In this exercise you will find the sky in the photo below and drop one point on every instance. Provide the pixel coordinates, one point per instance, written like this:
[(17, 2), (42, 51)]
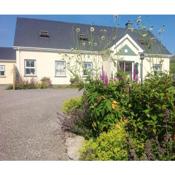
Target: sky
[(8, 23)]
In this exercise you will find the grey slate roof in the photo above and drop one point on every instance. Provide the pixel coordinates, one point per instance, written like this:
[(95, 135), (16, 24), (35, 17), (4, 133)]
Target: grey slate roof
[(63, 35), (7, 53)]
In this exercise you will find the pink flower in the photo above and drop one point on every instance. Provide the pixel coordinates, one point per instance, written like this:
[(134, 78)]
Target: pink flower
[(104, 77)]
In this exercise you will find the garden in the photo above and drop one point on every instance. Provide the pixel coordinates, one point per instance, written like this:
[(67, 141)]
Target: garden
[(123, 119)]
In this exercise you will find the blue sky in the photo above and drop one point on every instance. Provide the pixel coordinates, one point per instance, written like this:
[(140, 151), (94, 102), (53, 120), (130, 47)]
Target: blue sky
[(8, 22)]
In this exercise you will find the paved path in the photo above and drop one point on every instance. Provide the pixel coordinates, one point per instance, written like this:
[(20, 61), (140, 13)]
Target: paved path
[(28, 124)]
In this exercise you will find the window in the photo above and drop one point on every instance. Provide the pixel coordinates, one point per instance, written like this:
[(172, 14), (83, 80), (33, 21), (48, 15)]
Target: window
[(2, 70), (125, 66), (44, 34), (30, 67), (87, 67), (157, 67), (60, 68)]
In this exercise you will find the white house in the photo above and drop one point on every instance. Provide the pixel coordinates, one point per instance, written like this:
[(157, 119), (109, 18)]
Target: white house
[(58, 50)]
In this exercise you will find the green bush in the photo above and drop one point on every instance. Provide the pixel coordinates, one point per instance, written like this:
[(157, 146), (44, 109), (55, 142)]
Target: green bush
[(148, 107), (151, 115), (32, 84), (45, 82), (108, 146), (72, 104), (104, 104)]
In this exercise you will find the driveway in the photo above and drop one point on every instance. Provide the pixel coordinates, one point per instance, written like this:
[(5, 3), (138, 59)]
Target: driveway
[(28, 124)]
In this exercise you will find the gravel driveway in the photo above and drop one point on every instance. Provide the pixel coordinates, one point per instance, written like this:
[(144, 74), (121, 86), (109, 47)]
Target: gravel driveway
[(28, 124)]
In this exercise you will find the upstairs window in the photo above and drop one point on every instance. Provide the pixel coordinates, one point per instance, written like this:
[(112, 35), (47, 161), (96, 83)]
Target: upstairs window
[(83, 37), (87, 68), (60, 68), (30, 67), (2, 70), (44, 34)]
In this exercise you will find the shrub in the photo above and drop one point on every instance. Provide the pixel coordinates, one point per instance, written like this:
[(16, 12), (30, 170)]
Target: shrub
[(104, 105), (149, 109), (151, 115), (76, 81), (152, 105), (45, 82), (32, 84), (72, 104), (108, 146)]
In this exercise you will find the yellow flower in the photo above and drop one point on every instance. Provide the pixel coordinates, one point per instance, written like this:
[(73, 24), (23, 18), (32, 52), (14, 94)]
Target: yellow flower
[(114, 104)]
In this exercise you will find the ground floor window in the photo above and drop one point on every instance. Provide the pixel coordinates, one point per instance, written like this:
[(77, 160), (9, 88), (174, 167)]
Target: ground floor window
[(2, 70), (87, 68), (30, 67), (157, 67), (60, 68), (127, 67)]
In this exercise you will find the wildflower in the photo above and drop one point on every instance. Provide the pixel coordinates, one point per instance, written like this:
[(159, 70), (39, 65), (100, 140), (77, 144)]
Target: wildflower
[(139, 20), (95, 44), (135, 72), (114, 104), (83, 43), (103, 37), (104, 77), (151, 28), (92, 29), (89, 42), (77, 29)]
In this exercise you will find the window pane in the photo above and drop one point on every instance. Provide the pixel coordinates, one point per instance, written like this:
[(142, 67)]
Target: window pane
[(2, 73), (87, 67), (60, 68), (29, 71), (121, 66), (157, 67), (32, 71), (128, 66), (2, 70), (30, 67), (2, 67), (30, 63)]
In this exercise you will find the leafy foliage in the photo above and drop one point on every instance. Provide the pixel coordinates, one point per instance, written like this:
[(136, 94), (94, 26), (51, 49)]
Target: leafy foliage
[(148, 107), (108, 146), (151, 115), (72, 104), (46, 82), (32, 84)]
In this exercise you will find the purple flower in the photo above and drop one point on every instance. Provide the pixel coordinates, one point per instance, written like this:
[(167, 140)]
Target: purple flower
[(135, 77), (104, 77)]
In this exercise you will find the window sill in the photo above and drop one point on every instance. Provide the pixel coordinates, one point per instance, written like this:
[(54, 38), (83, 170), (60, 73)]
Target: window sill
[(61, 76), (30, 75), (2, 76)]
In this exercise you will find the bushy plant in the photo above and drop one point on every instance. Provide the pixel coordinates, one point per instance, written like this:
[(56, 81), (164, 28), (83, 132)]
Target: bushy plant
[(149, 109), (45, 82), (104, 104), (72, 104), (76, 81), (151, 114), (108, 146), (31, 84)]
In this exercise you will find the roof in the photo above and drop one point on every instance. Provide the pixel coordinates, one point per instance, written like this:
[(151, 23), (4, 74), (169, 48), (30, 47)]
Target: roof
[(64, 35), (7, 53)]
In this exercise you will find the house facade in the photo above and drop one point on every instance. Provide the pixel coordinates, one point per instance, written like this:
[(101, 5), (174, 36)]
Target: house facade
[(61, 50)]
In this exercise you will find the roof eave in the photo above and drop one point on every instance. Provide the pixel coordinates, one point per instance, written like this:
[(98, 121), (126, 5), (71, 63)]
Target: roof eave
[(73, 51), (9, 61), (159, 55)]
